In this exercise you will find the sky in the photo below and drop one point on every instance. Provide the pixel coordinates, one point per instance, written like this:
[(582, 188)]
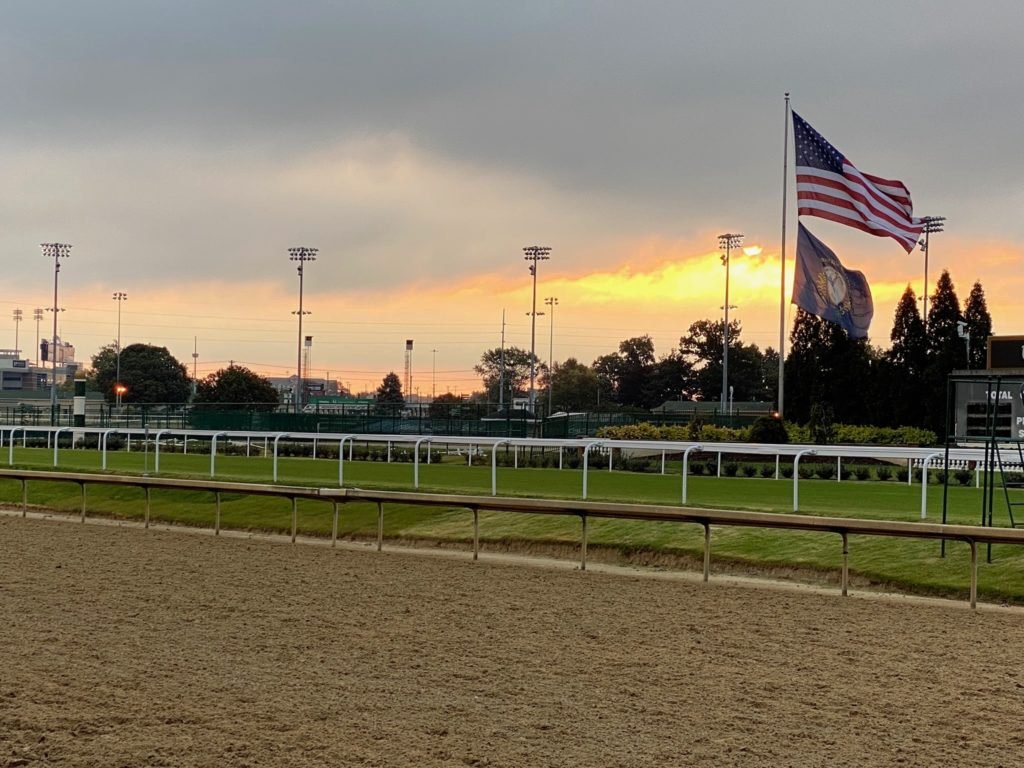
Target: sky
[(182, 147)]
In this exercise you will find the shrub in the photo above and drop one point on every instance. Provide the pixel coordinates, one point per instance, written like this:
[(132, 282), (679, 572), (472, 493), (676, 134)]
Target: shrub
[(730, 468), (806, 473), (963, 476), (749, 470), (711, 466), (787, 471), (862, 473), (696, 468), (826, 471), (767, 430), (902, 474), (845, 473), (884, 473), (767, 470)]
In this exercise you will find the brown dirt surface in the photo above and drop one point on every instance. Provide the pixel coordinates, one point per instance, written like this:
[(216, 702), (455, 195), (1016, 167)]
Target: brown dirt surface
[(124, 647)]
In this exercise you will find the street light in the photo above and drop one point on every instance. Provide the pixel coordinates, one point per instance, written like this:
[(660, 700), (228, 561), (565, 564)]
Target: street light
[(119, 297), (552, 302), (56, 251), (534, 253), (300, 254), (18, 316), (931, 224), (727, 241)]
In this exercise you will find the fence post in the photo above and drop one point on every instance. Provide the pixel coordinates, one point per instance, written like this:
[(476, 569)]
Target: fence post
[(147, 507), (707, 550), (295, 517), (334, 526), (380, 526), (216, 517), (846, 562), (83, 501), (476, 533), (583, 543)]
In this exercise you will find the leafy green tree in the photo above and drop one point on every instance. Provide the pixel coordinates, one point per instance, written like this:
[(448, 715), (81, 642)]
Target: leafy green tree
[(979, 326), (237, 387), (516, 364), (574, 386), (630, 372), (389, 393), (444, 406), (151, 374), (753, 374)]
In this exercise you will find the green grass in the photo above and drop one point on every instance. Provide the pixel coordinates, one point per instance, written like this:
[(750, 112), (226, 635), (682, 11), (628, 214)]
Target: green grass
[(906, 564)]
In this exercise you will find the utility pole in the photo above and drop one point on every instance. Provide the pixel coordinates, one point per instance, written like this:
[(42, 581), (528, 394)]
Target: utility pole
[(433, 375), (56, 251), (534, 254), (301, 254), (501, 362), (727, 241)]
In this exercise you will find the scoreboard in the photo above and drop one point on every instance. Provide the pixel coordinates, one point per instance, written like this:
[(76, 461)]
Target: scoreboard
[(1005, 352)]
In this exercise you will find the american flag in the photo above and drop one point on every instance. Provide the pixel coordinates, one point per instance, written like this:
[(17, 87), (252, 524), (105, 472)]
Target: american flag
[(830, 186)]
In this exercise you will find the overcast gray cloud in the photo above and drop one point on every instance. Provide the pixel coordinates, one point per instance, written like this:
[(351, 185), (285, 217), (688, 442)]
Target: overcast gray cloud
[(172, 129)]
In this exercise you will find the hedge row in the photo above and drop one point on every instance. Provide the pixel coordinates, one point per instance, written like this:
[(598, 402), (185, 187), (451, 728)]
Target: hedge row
[(844, 434)]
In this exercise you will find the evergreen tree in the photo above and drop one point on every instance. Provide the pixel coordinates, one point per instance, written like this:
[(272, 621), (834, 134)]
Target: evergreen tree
[(979, 326), (827, 368), (946, 351), (389, 393), (901, 372)]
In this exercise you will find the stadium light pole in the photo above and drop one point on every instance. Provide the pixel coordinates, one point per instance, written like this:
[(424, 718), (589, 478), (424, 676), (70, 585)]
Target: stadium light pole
[(533, 254), (551, 301), (119, 297), (37, 315), (727, 241), (56, 251), (17, 316), (931, 224), (301, 254)]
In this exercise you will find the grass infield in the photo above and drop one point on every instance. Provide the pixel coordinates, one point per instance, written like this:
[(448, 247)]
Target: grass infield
[(874, 561)]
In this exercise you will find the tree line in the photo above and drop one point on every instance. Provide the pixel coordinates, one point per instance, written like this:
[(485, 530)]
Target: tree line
[(829, 377)]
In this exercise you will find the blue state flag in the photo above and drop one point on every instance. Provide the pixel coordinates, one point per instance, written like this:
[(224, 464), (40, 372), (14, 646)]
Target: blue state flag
[(824, 287)]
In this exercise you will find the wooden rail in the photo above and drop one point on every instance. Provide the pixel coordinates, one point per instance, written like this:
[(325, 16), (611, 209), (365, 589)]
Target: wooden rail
[(971, 535)]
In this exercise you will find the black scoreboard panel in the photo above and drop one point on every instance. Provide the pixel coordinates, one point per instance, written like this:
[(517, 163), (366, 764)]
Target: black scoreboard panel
[(1005, 352)]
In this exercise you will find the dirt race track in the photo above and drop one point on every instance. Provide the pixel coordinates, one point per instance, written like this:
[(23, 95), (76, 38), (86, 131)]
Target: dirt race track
[(123, 647)]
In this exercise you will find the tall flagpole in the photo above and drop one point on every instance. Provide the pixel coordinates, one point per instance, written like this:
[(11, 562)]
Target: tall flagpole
[(782, 281)]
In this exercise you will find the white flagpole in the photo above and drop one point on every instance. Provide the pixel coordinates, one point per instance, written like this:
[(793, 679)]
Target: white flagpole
[(782, 282)]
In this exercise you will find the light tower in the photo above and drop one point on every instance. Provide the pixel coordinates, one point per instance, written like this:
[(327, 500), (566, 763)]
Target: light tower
[(931, 224), (18, 316), (119, 297), (533, 254), (727, 241), (301, 254), (551, 301), (37, 315), (56, 251)]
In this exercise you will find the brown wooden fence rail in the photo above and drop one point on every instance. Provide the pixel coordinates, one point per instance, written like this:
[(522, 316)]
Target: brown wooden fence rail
[(584, 510)]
